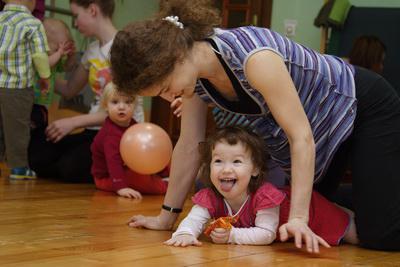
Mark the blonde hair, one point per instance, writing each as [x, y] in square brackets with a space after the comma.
[57, 30]
[109, 91]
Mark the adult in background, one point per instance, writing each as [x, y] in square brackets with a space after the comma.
[56, 153]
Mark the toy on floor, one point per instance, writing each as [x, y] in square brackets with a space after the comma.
[221, 222]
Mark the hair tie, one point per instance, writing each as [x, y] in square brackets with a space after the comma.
[174, 20]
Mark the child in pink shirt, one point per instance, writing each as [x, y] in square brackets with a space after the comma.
[233, 163]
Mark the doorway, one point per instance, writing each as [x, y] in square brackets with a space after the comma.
[237, 13]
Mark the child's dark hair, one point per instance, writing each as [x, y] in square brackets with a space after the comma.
[233, 135]
[145, 52]
[106, 6]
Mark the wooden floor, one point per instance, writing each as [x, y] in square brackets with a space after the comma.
[46, 223]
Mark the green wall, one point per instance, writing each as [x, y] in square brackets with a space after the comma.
[126, 11]
[304, 11]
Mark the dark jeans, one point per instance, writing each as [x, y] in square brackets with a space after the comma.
[373, 154]
[68, 160]
[15, 108]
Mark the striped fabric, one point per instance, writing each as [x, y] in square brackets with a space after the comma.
[325, 85]
[21, 36]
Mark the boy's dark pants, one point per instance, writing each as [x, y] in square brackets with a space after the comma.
[15, 113]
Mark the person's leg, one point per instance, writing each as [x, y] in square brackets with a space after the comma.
[351, 233]
[375, 162]
[146, 184]
[330, 183]
[104, 184]
[330, 186]
[42, 154]
[75, 163]
[16, 112]
[68, 160]
[2, 142]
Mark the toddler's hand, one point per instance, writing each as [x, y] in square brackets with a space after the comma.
[129, 193]
[220, 235]
[44, 85]
[176, 105]
[70, 48]
[183, 240]
[66, 48]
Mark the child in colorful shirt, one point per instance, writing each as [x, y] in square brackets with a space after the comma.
[61, 58]
[234, 161]
[19, 58]
[108, 169]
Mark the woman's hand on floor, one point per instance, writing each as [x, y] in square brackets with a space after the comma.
[299, 230]
[159, 222]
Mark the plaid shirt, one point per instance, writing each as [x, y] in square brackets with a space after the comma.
[21, 36]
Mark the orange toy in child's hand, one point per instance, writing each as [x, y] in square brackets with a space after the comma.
[221, 222]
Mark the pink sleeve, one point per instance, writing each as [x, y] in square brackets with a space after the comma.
[267, 196]
[205, 198]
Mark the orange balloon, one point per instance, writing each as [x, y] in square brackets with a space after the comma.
[146, 148]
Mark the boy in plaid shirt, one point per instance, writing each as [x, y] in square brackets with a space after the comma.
[23, 49]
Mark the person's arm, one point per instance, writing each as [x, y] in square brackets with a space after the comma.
[38, 49]
[55, 57]
[71, 87]
[194, 222]
[263, 233]
[60, 128]
[41, 63]
[266, 71]
[184, 164]
[63, 49]
[190, 228]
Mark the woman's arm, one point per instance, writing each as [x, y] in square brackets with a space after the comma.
[184, 164]
[75, 83]
[267, 73]
[60, 128]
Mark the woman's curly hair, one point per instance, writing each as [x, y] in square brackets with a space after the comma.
[145, 52]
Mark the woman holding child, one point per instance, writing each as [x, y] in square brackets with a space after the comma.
[55, 153]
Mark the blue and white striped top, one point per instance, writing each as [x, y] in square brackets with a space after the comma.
[325, 85]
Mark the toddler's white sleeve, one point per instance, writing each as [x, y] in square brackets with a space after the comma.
[194, 222]
[263, 233]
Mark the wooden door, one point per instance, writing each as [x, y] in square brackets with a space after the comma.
[236, 13]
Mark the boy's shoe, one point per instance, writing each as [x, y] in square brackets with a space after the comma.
[22, 173]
